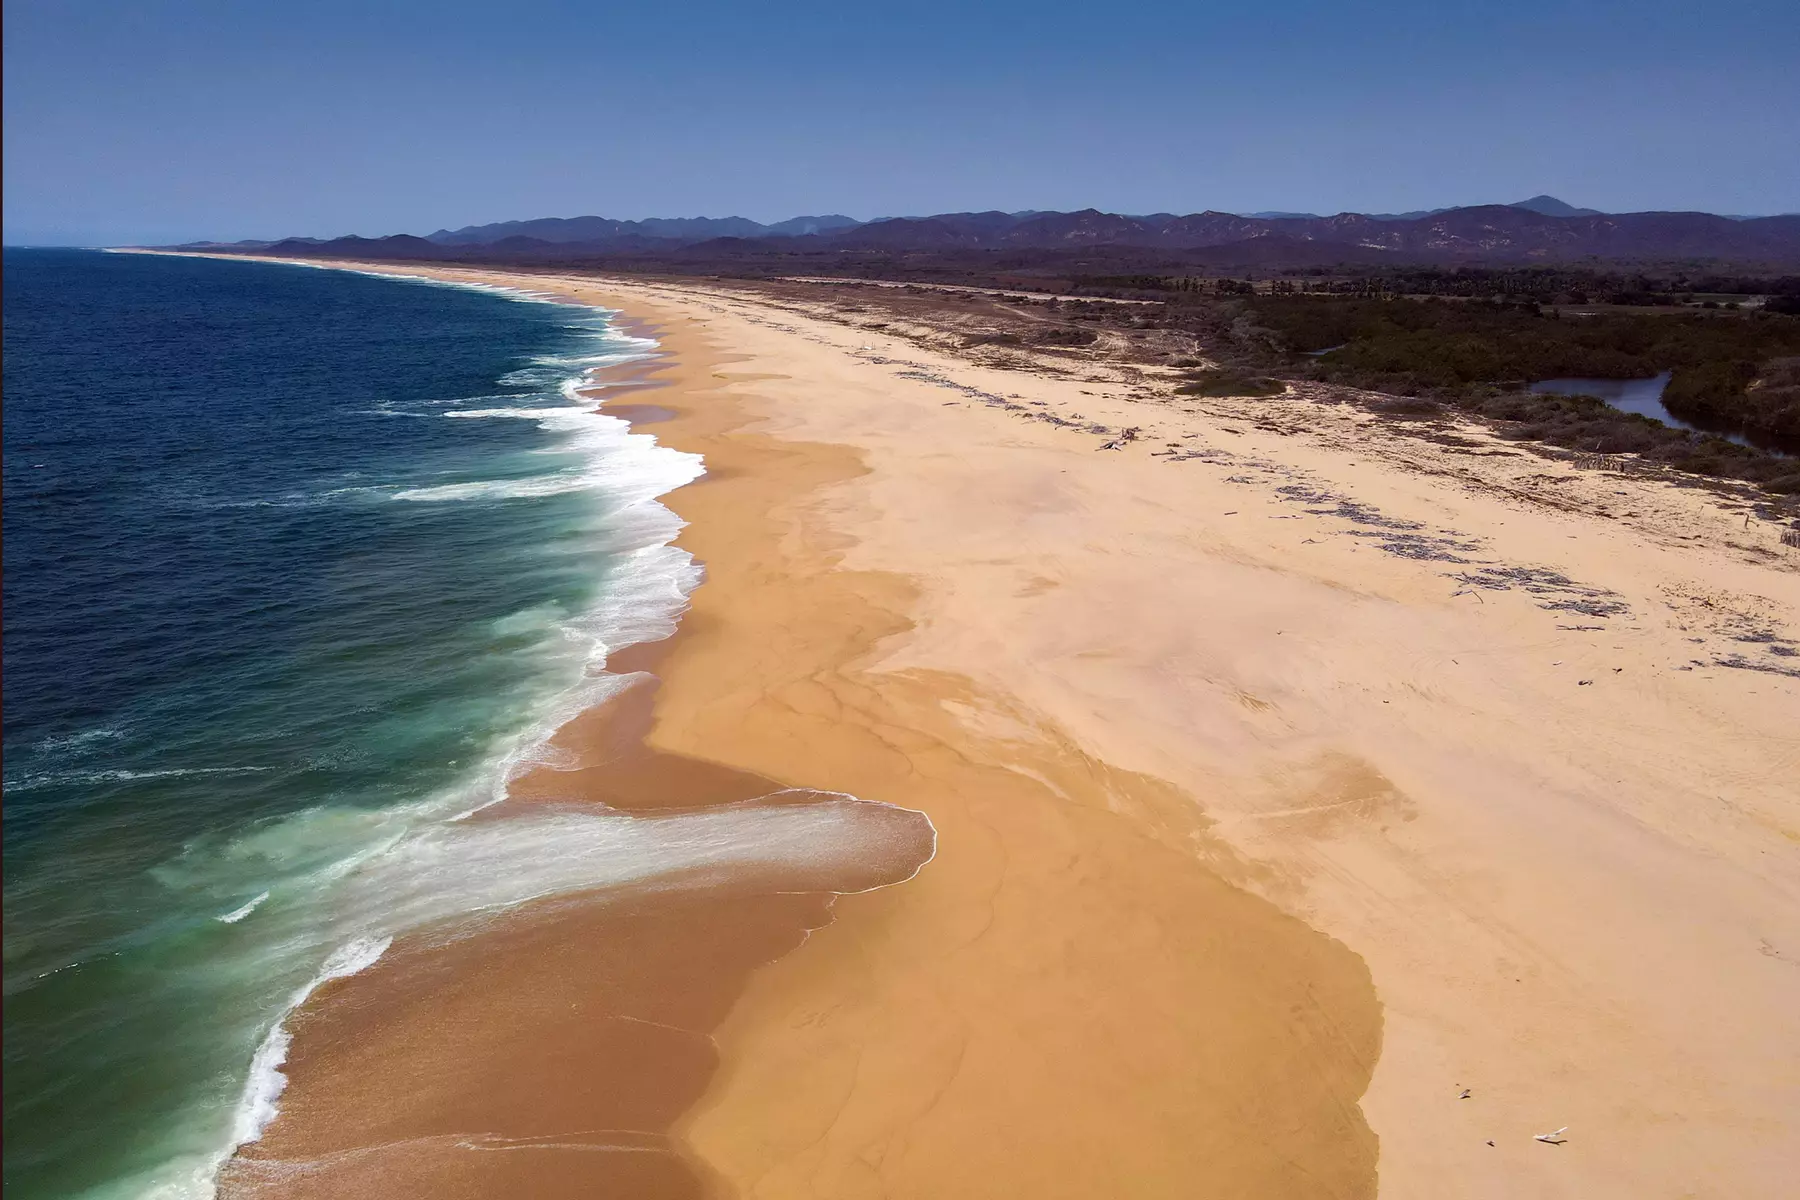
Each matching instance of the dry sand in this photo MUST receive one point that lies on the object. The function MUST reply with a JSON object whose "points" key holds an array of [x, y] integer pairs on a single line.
{"points": [[1291, 780]]}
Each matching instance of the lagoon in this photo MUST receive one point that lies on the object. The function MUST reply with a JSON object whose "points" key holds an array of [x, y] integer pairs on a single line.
{"points": [[1641, 396]]}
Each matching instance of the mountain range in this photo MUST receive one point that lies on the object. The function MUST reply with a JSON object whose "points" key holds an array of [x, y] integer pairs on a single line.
{"points": [[1542, 228], [566, 230], [594, 230], [1548, 206]]}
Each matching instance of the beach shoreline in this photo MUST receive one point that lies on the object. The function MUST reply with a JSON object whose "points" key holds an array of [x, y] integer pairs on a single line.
{"points": [[1149, 805], [741, 917]]}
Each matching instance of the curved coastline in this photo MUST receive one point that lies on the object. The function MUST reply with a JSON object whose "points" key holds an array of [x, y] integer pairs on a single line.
{"points": [[767, 686], [1157, 812], [656, 595], [839, 845]]}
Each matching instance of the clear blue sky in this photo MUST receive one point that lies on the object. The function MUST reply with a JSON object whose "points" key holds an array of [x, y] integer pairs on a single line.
{"points": [[158, 121]]}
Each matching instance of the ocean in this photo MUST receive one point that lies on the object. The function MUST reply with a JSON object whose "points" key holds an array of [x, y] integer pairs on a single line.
{"points": [[301, 566]]}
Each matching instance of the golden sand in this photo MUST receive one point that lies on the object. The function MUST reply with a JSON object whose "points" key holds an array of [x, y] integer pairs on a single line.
{"points": [[1210, 772]]}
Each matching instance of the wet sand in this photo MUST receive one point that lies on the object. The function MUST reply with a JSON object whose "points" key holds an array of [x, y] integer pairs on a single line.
{"points": [[1291, 781]]}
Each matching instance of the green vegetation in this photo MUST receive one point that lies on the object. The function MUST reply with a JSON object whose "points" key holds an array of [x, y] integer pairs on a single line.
{"points": [[1586, 423], [1225, 382], [1558, 285], [1753, 396], [1727, 367], [1563, 285], [1063, 336]]}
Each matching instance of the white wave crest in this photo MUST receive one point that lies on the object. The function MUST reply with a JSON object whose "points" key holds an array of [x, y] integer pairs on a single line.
{"points": [[623, 468], [238, 914], [267, 1082]]}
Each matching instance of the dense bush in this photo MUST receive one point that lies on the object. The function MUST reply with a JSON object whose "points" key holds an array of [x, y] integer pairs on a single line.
{"points": [[1590, 424], [1407, 406], [1724, 367], [1228, 382], [1057, 335]]}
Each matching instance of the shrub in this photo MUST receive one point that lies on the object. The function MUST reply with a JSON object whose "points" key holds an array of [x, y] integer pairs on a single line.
{"points": [[1064, 336], [1226, 382], [1407, 406]]}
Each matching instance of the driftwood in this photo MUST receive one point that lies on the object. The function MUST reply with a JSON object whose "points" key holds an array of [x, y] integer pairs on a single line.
{"points": [[1603, 462]]}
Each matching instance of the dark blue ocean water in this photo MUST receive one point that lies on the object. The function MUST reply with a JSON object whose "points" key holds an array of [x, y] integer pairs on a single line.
{"points": [[297, 563]]}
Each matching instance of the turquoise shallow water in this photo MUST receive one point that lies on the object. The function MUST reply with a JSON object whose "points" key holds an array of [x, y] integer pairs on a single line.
{"points": [[300, 565]]}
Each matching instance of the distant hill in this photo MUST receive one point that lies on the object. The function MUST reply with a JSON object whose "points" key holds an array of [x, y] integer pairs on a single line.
{"points": [[1550, 206], [1494, 231], [600, 229], [1540, 229], [800, 226], [400, 245]]}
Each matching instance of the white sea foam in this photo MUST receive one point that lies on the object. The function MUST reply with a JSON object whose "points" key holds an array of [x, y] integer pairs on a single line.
{"points": [[623, 467], [649, 580], [195, 1176], [80, 743], [238, 914], [266, 1081], [453, 871], [440, 875]]}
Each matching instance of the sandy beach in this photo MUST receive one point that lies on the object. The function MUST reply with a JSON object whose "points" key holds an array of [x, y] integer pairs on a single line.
{"points": [[1313, 812]]}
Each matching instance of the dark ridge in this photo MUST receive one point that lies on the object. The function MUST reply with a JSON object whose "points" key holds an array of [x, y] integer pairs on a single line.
{"points": [[397, 246], [1539, 230], [1550, 206]]}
